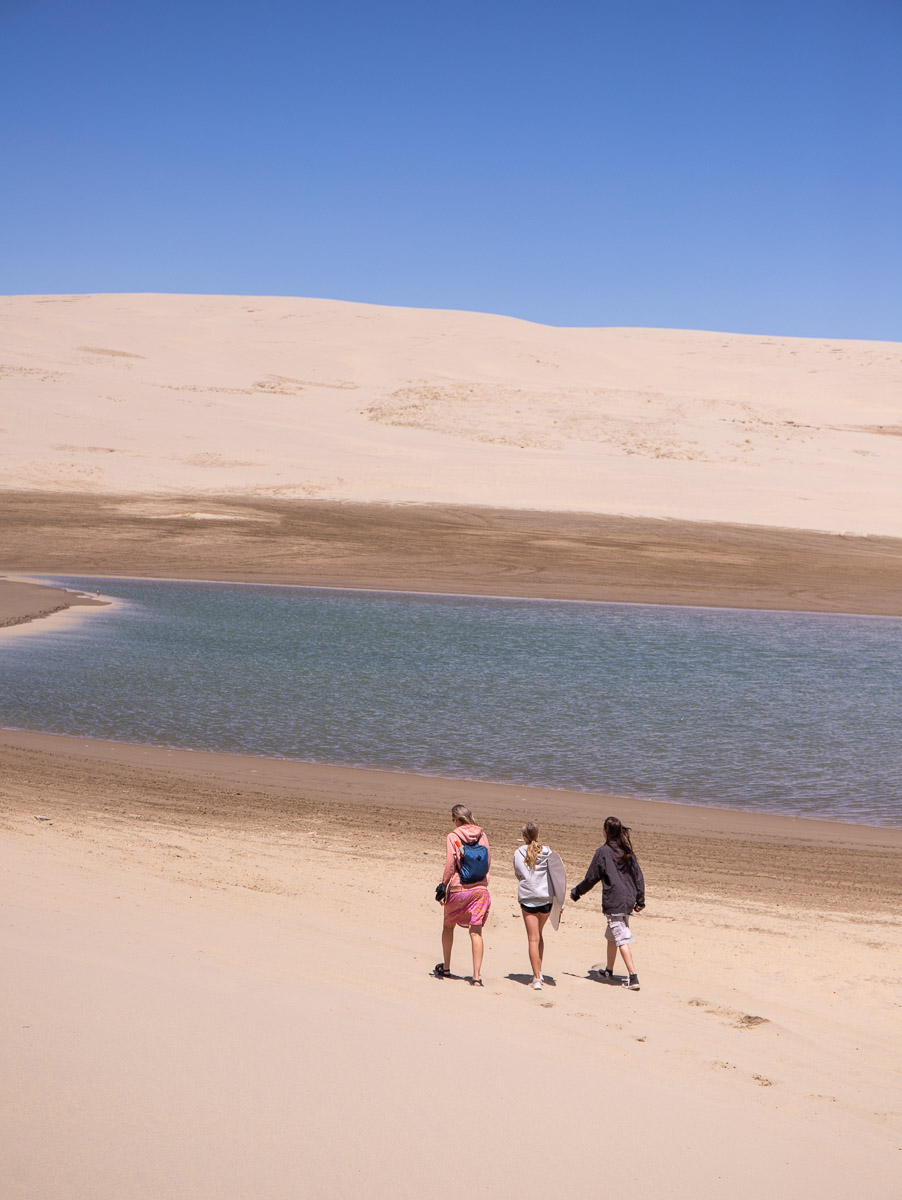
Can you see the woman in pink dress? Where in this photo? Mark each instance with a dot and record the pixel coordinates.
(465, 889)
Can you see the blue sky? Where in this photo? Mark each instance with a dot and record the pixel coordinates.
(703, 164)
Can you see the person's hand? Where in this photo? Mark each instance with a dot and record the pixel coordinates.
(638, 908)
(574, 895)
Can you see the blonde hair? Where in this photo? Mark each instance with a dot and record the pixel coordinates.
(531, 837)
(460, 812)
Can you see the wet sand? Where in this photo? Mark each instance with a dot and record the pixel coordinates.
(740, 856)
(24, 602)
(457, 549)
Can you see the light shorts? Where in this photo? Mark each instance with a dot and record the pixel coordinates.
(618, 930)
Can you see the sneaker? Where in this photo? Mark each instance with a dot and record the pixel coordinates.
(537, 984)
(632, 983)
(606, 974)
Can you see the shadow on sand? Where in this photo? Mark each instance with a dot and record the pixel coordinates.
(526, 980)
(594, 973)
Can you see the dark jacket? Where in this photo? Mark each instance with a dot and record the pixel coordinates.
(623, 887)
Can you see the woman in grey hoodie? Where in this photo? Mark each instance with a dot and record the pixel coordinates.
(540, 891)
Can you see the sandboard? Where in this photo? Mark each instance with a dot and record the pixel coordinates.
(558, 881)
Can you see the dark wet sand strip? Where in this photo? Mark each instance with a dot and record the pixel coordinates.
(480, 551)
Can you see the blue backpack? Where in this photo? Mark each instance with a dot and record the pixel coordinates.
(474, 864)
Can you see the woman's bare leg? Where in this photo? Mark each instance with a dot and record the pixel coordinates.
(478, 947)
(533, 937)
(535, 924)
(447, 942)
(543, 919)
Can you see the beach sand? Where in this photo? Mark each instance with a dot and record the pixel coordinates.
(22, 602)
(218, 984)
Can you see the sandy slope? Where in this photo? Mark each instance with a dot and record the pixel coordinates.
(300, 398)
(216, 987)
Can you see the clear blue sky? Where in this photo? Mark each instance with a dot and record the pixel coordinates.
(698, 164)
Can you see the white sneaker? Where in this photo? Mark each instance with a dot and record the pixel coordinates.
(537, 984)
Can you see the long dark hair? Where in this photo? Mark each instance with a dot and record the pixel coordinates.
(616, 832)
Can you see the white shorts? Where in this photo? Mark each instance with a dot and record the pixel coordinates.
(618, 930)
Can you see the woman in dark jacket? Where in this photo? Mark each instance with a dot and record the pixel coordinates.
(616, 867)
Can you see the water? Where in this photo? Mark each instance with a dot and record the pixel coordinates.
(777, 712)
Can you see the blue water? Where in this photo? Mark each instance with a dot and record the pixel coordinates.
(777, 712)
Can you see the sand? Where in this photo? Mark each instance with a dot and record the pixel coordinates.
(299, 398)
(217, 984)
(22, 602)
(460, 549)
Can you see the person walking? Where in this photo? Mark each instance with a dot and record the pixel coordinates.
(464, 890)
(541, 888)
(616, 867)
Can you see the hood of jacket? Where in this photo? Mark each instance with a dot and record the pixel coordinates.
(468, 834)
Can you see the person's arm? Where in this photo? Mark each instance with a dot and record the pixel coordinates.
(640, 885)
(593, 876)
(450, 859)
(518, 870)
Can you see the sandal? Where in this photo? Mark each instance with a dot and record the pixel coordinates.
(441, 971)
(476, 983)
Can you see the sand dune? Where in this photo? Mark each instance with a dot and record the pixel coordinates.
(290, 398)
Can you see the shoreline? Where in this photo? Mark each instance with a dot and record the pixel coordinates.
(360, 793)
(452, 595)
(23, 601)
(282, 768)
(452, 550)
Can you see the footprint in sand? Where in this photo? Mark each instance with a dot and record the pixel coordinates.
(736, 1018)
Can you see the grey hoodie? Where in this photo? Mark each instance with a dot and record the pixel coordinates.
(535, 885)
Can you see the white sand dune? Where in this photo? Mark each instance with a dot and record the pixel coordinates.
(196, 395)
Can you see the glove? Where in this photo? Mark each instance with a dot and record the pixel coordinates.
(440, 893)
(574, 895)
